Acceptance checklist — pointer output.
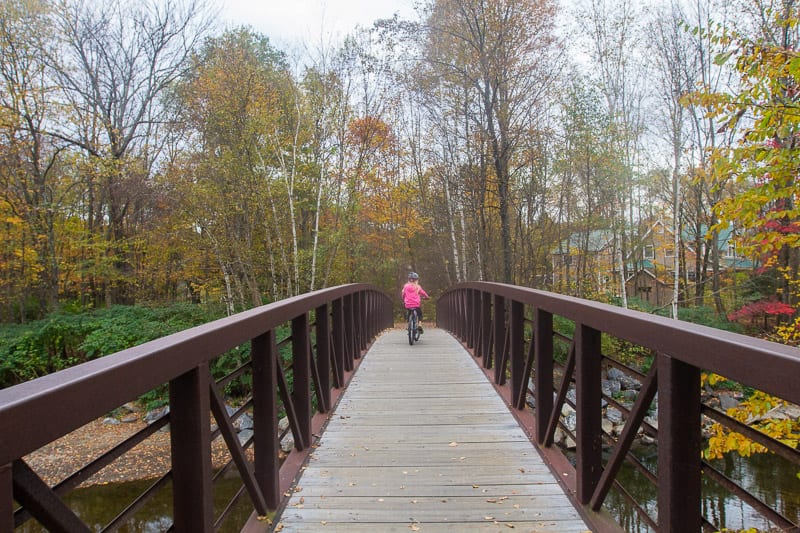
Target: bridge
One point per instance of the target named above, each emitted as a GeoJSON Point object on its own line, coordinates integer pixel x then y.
{"type": "Point", "coordinates": [388, 437]}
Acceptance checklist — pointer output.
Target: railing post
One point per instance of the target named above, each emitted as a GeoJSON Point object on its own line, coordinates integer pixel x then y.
{"type": "Point", "coordinates": [349, 346]}
{"type": "Point", "coordinates": [6, 498]}
{"type": "Point", "coordinates": [499, 334]}
{"type": "Point", "coordinates": [338, 342]}
{"type": "Point", "coordinates": [362, 319]}
{"type": "Point", "coordinates": [589, 415]}
{"type": "Point", "coordinates": [357, 323]}
{"type": "Point", "coordinates": [323, 356]}
{"type": "Point", "coordinates": [486, 327]}
{"type": "Point", "coordinates": [265, 417]}
{"type": "Point", "coordinates": [543, 359]}
{"type": "Point", "coordinates": [301, 376]}
{"type": "Point", "coordinates": [474, 318]}
{"type": "Point", "coordinates": [679, 446]}
{"type": "Point", "coordinates": [516, 352]}
{"type": "Point", "coordinates": [463, 316]}
{"type": "Point", "coordinates": [190, 434]}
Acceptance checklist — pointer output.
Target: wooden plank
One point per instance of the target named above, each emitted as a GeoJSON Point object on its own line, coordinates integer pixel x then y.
{"type": "Point", "coordinates": [420, 441]}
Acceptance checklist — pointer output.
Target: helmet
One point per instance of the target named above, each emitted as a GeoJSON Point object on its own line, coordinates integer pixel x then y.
{"type": "Point", "coordinates": [413, 275]}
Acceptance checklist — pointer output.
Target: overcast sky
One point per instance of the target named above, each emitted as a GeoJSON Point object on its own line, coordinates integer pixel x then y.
{"type": "Point", "coordinates": [294, 21]}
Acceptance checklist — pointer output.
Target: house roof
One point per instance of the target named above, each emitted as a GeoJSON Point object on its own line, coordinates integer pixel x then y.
{"type": "Point", "coordinates": [597, 240]}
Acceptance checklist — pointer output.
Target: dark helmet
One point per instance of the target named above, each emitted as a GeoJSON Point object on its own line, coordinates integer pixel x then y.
{"type": "Point", "coordinates": [413, 275]}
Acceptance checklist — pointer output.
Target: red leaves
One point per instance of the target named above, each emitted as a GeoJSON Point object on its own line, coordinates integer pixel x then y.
{"type": "Point", "coordinates": [762, 307]}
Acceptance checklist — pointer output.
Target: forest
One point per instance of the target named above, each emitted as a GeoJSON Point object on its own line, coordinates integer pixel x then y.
{"type": "Point", "coordinates": [643, 154]}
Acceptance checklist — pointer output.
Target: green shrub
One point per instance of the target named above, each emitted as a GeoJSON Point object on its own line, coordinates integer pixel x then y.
{"type": "Point", "coordinates": [65, 339]}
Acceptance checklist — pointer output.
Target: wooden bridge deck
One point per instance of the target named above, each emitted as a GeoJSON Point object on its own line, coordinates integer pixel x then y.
{"type": "Point", "coordinates": [420, 441]}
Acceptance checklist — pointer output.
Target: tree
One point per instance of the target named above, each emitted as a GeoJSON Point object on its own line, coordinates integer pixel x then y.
{"type": "Point", "coordinates": [764, 163]}
{"type": "Point", "coordinates": [675, 74]}
{"type": "Point", "coordinates": [234, 101]}
{"type": "Point", "coordinates": [502, 52]}
{"type": "Point", "coordinates": [30, 176]}
{"type": "Point", "coordinates": [113, 62]}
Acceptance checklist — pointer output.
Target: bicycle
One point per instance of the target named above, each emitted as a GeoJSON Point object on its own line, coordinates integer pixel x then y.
{"type": "Point", "coordinates": [413, 327]}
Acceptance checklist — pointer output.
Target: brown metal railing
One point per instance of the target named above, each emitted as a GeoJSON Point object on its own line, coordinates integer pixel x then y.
{"type": "Point", "coordinates": [329, 330]}
{"type": "Point", "coordinates": [519, 335]}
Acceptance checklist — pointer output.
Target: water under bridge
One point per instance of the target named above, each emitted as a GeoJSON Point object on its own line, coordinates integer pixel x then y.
{"type": "Point", "coordinates": [497, 419]}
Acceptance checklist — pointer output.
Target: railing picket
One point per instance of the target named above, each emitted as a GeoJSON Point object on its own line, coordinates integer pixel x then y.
{"type": "Point", "coordinates": [349, 338]}
{"type": "Point", "coordinates": [6, 499]}
{"type": "Point", "coordinates": [323, 357]}
{"type": "Point", "coordinates": [290, 408]}
{"type": "Point", "coordinates": [499, 334]}
{"type": "Point", "coordinates": [301, 376]}
{"type": "Point", "coordinates": [235, 449]}
{"type": "Point", "coordinates": [679, 445]}
{"type": "Point", "coordinates": [589, 415]}
{"type": "Point", "coordinates": [486, 327]}
{"type": "Point", "coordinates": [516, 351]}
{"type": "Point", "coordinates": [34, 494]}
{"type": "Point", "coordinates": [338, 342]}
{"type": "Point", "coordinates": [543, 375]}
{"type": "Point", "coordinates": [632, 424]}
{"type": "Point", "coordinates": [561, 397]}
{"type": "Point", "coordinates": [265, 418]}
{"type": "Point", "coordinates": [190, 437]}
{"type": "Point", "coordinates": [475, 318]}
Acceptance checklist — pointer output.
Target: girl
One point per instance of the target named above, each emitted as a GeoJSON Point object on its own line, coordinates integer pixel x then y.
{"type": "Point", "coordinates": [412, 296]}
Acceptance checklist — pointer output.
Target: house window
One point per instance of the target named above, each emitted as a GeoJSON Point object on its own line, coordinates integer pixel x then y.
{"type": "Point", "coordinates": [731, 251]}
{"type": "Point", "coordinates": [669, 252]}
{"type": "Point", "coordinates": [649, 252]}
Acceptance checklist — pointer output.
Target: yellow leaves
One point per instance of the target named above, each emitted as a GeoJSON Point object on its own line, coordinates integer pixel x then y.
{"type": "Point", "coordinates": [757, 412]}
{"type": "Point", "coordinates": [711, 379]}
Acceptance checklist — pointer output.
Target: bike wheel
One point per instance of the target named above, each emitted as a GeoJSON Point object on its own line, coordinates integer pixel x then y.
{"type": "Point", "coordinates": [412, 329]}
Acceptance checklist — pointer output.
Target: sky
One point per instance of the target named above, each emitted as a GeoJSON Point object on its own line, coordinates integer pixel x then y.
{"type": "Point", "coordinates": [288, 22]}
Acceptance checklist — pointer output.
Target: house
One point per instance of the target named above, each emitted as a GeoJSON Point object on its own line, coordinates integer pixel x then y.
{"type": "Point", "coordinates": [589, 261]}
{"type": "Point", "coordinates": [584, 262]}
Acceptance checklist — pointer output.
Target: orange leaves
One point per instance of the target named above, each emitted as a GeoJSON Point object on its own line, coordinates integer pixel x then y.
{"type": "Point", "coordinates": [371, 135]}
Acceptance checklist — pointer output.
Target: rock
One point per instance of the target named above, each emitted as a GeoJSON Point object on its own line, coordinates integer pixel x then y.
{"type": "Point", "coordinates": [154, 415]}
{"type": "Point", "coordinates": [614, 415]}
{"type": "Point", "coordinates": [629, 383]}
{"type": "Point", "coordinates": [132, 407]}
{"type": "Point", "coordinates": [245, 435]}
{"type": "Point", "coordinates": [572, 396]}
{"type": "Point", "coordinates": [130, 419]}
{"type": "Point", "coordinates": [287, 443]}
{"type": "Point", "coordinates": [728, 402]}
{"type": "Point", "coordinates": [563, 439]}
{"type": "Point", "coordinates": [608, 426]}
{"type": "Point", "coordinates": [571, 422]}
{"type": "Point", "coordinates": [615, 374]}
{"type": "Point", "coordinates": [244, 422]}
{"type": "Point", "coordinates": [110, 421]}
{"type": "Point", "coordinates": [628, 395]}
{"type": "Point", "coordinates": [611, 387]}
{"type": "Point", "coordinates": [567, 410]}
{"type": "Point", "coordinates": [647, 439]}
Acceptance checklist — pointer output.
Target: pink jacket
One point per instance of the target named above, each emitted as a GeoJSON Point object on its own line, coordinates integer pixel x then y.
{"type": "Point", "coordinates": [412, 295]}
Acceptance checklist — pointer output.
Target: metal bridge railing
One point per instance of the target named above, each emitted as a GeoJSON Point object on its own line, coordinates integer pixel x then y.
{"type": "Point", "coordinates": [300, 349]}
{"type": "Point", "coordinates": [550, 350]}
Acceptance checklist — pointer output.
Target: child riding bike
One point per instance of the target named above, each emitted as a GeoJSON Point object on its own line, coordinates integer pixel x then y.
{"type": "Point", "coordinates": [412, 297]}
